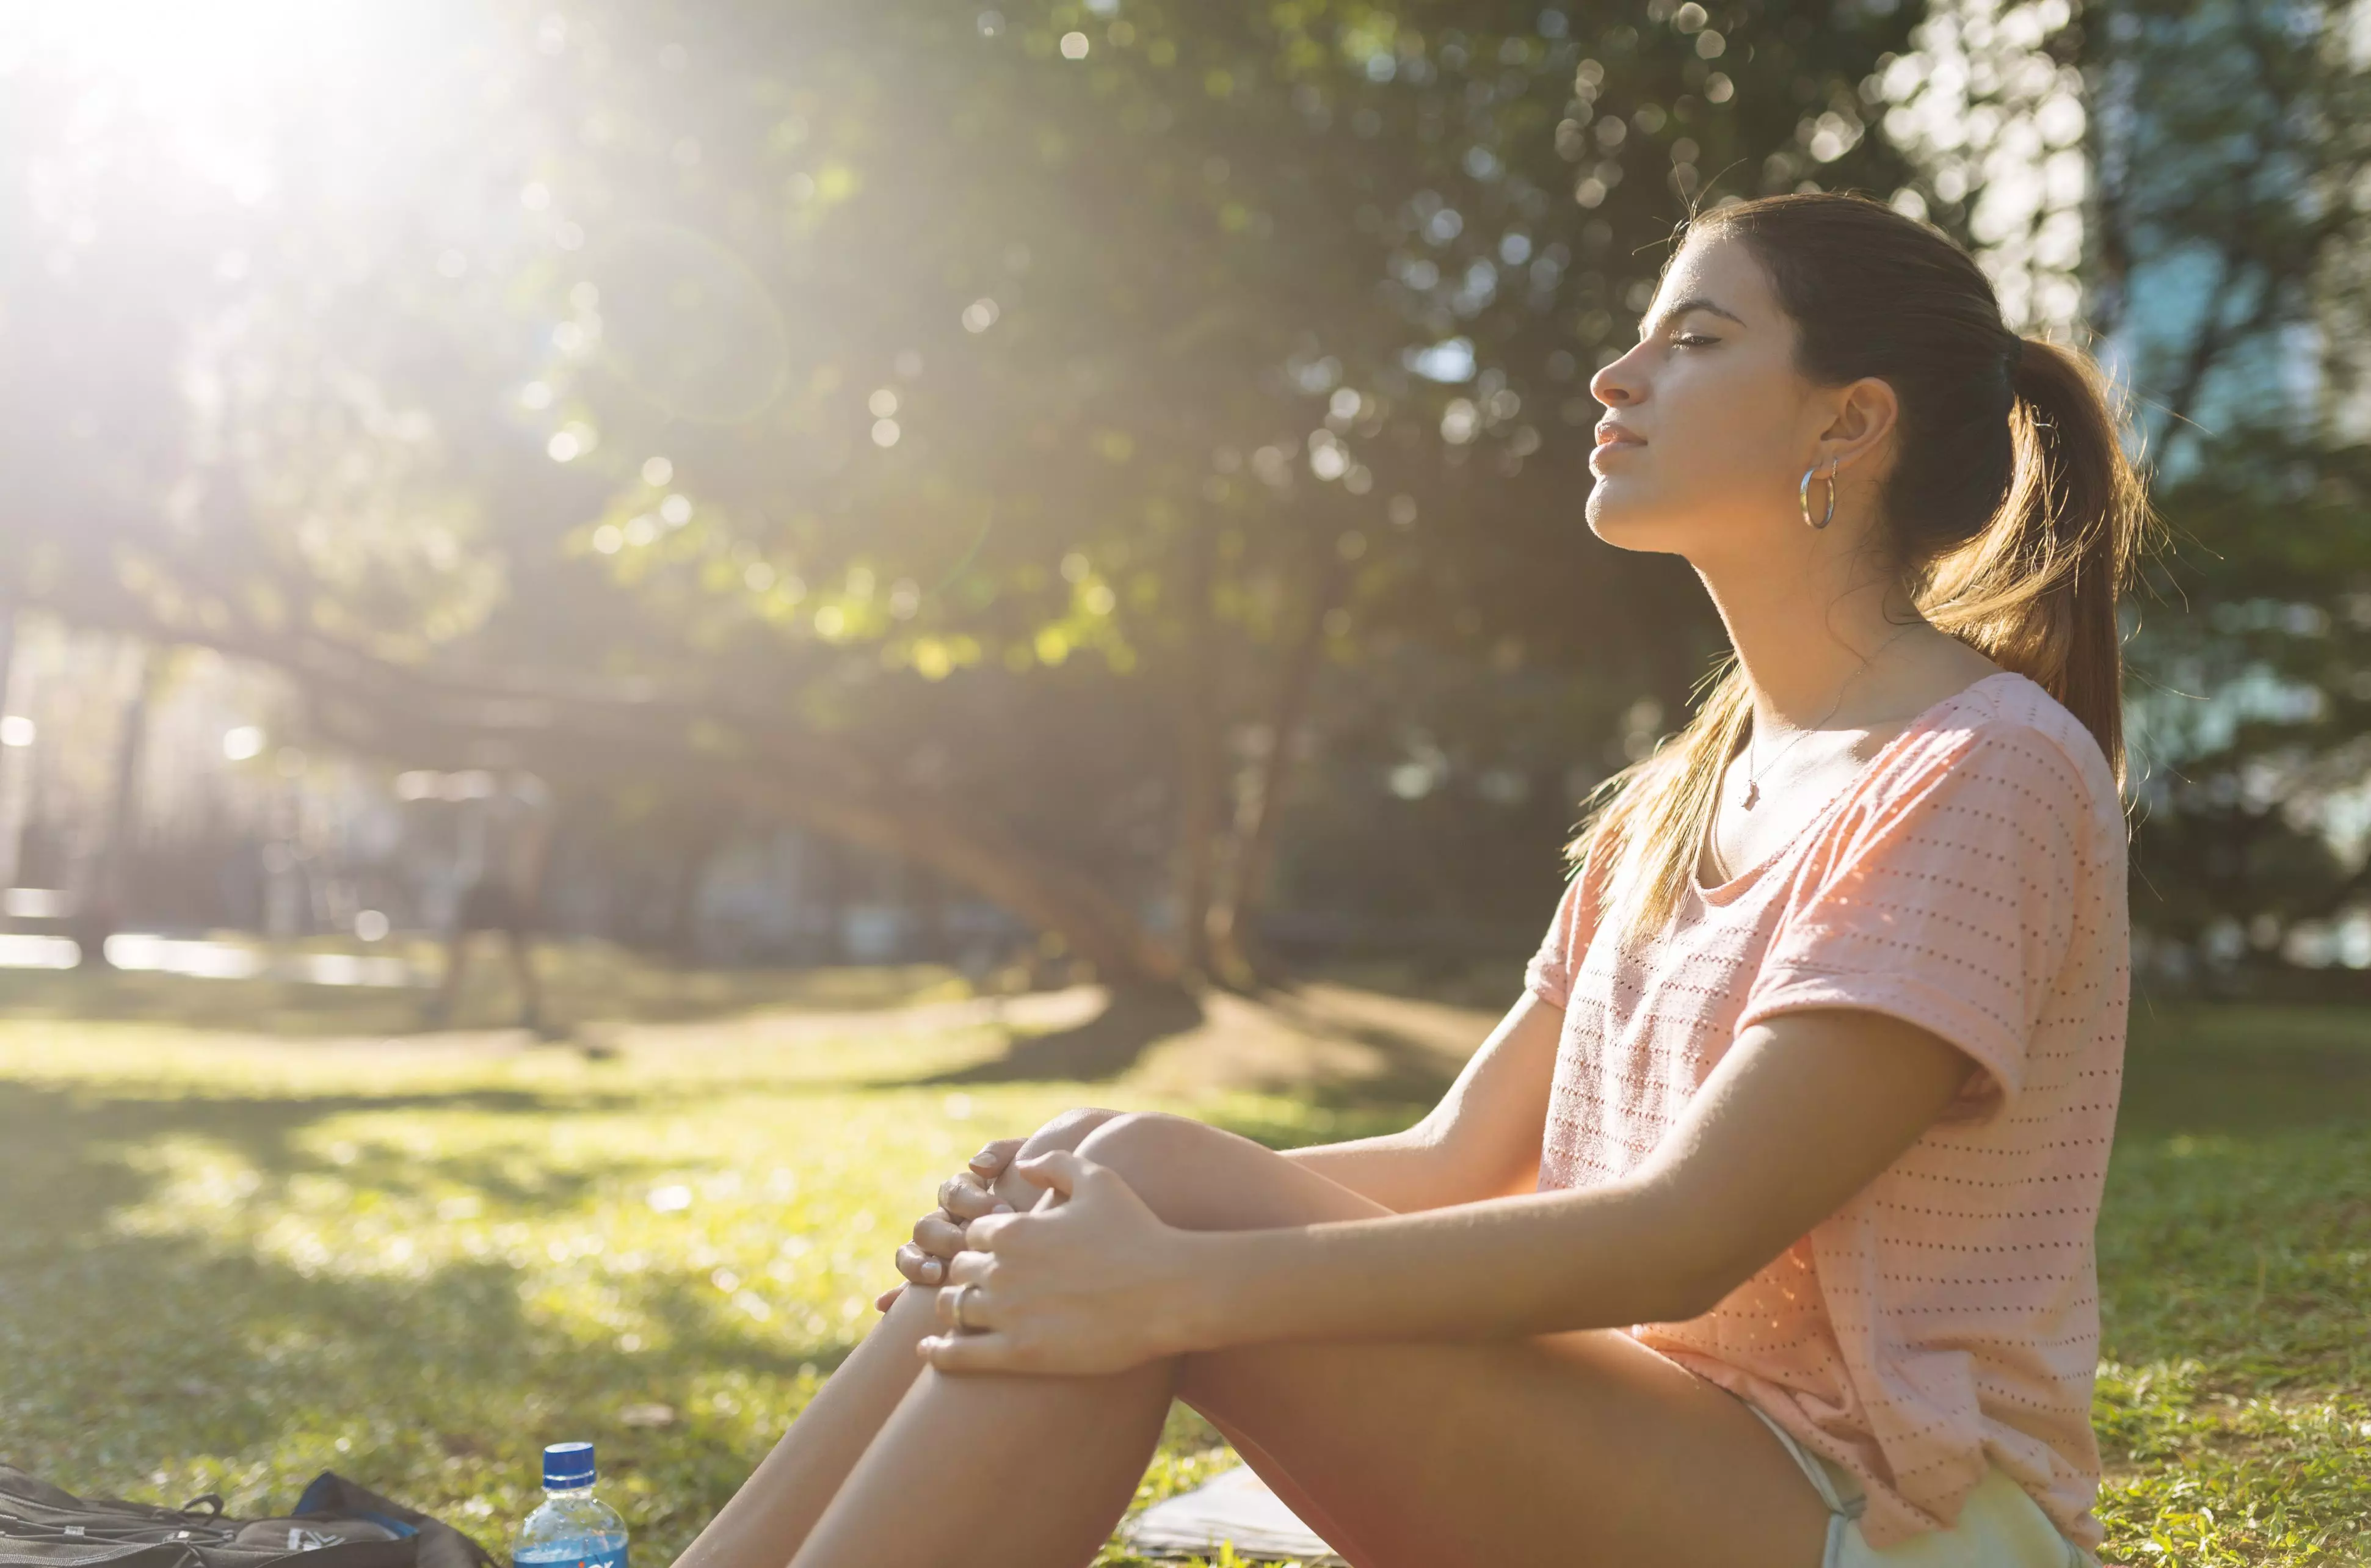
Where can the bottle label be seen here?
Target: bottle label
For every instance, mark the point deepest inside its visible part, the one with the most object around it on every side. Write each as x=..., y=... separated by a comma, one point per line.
x=588, y=1560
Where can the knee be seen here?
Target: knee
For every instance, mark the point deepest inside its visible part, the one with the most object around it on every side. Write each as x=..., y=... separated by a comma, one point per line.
x=1157, y=1156
x=1067, y=1131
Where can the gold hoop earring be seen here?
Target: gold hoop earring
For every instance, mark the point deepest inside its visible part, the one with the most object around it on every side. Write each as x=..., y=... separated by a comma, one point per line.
x=1803, y=494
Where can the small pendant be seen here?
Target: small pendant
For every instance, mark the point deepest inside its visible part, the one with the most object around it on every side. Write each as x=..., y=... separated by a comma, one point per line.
x=1753, y=793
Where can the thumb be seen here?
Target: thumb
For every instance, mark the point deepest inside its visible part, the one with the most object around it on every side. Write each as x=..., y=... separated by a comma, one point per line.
x=990, y=1161
x=1061, y=1170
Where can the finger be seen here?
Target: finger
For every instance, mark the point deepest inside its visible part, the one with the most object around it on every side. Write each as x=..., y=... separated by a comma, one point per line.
x=978, y=1313
x=969, y=1268
x=965, y=1197
x=967, y=1352
x=990, y=1161
x=938, y=1236
x=982, y=1238
x=1061, y=1171
x=888, y=1298
x=920, y=1266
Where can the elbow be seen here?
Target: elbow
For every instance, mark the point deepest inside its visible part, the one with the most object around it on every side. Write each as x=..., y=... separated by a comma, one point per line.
x=1696, y=1292
x=1470, y=1171
x=1702, y=1263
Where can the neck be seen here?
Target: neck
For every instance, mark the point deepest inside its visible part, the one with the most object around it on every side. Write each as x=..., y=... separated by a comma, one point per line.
x=1805, y=639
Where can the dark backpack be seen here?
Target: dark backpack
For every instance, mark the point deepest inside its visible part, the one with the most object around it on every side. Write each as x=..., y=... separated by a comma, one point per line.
x=334, y=1525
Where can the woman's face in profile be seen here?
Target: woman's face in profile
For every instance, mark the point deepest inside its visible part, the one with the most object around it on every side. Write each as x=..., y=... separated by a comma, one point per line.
x=1709, y=424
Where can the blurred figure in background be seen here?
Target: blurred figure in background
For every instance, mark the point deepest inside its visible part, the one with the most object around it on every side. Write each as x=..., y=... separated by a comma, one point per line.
x=506, y=844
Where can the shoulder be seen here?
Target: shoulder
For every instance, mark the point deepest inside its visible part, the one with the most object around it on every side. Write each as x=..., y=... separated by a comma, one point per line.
x=2006, y=738
x=2006, y=723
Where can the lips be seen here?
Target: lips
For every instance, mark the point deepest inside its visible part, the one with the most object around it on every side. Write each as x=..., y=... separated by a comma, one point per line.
x=1612, y=439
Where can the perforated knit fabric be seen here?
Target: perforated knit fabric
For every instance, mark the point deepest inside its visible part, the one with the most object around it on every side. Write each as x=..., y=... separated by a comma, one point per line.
x=1971, y=881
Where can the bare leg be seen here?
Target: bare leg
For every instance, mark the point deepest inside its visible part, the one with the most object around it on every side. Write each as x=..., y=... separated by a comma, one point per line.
x=779, y=1505
x=1088, y=1438
x=993, y=1470
x=1563, y=1449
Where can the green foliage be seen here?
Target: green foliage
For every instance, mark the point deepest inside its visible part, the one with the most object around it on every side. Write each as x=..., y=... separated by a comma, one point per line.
x=2226, y=260
x=2255, y=698
x=871, y=376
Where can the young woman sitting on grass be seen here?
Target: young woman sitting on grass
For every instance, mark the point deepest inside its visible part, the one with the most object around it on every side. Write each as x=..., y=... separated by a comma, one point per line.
x=1760, y=1229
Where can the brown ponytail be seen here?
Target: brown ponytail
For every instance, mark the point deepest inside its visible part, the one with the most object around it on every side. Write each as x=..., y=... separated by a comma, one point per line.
x=2012, y=509
x=2036, y=591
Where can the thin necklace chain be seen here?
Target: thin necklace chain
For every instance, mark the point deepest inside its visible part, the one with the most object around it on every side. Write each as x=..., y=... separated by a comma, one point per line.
x=1753, y=774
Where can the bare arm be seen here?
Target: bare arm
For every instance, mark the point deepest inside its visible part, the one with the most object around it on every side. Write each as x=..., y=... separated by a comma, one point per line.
x=1803, y=1111
x=1482, y=1140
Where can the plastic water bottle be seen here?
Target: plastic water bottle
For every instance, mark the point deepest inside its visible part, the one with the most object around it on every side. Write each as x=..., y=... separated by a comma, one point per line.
x=572, y=1529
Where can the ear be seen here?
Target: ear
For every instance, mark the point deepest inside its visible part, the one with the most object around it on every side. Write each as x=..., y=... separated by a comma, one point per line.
x=1861, y=421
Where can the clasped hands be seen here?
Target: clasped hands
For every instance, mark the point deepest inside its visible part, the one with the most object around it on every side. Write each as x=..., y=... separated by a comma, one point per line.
x=1089, y=1281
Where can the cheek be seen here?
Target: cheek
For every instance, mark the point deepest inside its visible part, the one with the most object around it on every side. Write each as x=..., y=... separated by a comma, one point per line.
x=1726, y=431
x=1720, y=446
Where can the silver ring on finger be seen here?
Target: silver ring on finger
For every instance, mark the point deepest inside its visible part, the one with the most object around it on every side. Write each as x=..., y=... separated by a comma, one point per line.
x=961, y=1326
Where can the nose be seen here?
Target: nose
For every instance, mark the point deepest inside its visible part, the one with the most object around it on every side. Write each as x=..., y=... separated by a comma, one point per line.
x=1617, y=385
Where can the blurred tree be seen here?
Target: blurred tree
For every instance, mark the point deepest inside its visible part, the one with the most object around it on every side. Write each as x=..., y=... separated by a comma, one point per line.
x=968, y=434
x=2232, y=235
x=1110, y=231
x=2181, y=184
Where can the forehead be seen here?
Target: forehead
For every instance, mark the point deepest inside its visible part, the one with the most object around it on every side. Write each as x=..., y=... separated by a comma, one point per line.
x=1717, y=266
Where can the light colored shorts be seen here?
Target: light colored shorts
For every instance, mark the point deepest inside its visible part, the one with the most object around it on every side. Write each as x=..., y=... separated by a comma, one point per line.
x=1999, y=1527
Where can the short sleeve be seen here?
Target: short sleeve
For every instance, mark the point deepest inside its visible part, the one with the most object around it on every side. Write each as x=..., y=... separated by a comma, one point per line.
x=1549, y=974
x=1947, y=898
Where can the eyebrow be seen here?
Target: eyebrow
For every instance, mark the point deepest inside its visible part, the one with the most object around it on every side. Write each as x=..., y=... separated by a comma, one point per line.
x=1696, y=301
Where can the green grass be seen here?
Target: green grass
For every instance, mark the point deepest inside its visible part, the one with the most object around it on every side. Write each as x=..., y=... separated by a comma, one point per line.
x=2234, y=1402
x=231, y=1259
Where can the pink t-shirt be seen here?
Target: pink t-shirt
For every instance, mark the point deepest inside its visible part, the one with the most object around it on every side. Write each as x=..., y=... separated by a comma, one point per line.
x=1971, y=881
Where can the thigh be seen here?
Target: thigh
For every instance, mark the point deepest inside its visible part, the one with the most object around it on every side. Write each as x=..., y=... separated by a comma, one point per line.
x=1564, y=1450
x=1561, y=1450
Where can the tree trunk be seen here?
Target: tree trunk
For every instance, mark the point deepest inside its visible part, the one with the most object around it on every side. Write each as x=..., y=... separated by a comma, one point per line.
x=11, y=824
x=926, y=896
x=99, y=912
x=1200, y=767
x=1096, y=925
x=378, y=709
x=680, y=938
x=827, y=858
x=1233, y=950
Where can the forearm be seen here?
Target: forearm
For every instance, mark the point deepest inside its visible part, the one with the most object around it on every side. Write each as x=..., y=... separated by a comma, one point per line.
x=1422, y=1168
x=1401, y=1170
x=1481, y=1142
x=1506, y=1267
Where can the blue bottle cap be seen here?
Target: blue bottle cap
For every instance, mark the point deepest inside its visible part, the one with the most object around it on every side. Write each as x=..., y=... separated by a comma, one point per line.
x=567, y=1466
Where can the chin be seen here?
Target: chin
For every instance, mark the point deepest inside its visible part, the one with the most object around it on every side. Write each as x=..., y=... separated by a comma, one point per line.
x=1623, y=519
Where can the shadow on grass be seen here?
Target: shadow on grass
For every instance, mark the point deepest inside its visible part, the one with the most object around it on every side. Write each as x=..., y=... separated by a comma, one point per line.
x=582, y=982
x=1100, y=1049
x=62, y=1170
x=2238, y=1192
x=2237, y=1214
x=2237, y=1069
x=122, y=1351
x=1407, y=1070
x=1328, y=1048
